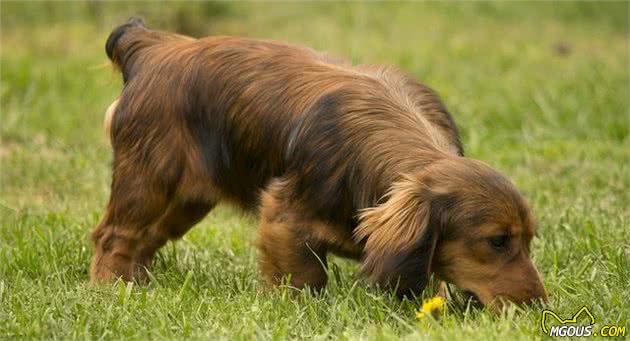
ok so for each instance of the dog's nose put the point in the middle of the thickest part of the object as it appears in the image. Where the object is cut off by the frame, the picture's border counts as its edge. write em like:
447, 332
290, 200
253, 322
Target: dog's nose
532, 293
535, 290
533, 296
539, 293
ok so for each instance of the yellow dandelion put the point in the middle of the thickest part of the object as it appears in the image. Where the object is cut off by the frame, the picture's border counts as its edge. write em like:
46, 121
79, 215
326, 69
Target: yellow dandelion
432, 306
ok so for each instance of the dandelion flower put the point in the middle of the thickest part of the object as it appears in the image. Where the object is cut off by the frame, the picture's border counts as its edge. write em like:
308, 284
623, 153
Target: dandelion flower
432, 306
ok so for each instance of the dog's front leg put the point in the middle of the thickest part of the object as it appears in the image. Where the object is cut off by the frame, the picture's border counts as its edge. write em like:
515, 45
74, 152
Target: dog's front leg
286, 243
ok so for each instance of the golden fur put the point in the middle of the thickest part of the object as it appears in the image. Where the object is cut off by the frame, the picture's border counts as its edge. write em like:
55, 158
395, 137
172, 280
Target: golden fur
363, 161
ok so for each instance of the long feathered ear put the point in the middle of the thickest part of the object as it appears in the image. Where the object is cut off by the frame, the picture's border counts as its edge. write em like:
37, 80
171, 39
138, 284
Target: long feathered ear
400, 236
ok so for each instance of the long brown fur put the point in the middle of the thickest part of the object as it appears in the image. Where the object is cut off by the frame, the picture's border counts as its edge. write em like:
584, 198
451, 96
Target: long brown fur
364, 162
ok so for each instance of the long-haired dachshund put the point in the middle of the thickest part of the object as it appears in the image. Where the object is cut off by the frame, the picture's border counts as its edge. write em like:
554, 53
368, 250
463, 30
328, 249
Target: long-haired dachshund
363, 162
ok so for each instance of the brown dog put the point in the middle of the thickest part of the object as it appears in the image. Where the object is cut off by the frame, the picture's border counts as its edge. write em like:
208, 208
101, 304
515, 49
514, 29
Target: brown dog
363, 162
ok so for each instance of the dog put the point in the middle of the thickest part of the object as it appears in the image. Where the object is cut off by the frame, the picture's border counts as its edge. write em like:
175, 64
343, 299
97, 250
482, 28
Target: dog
358, 161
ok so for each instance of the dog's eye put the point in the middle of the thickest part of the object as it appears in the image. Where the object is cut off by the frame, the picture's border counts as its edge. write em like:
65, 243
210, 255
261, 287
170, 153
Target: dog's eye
500, 243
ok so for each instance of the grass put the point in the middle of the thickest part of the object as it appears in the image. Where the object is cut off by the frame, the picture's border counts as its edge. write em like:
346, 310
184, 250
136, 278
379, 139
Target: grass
539, 90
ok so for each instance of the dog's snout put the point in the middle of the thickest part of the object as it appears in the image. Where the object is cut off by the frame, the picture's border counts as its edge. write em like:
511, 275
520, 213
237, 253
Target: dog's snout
538, 293
537, 289
519, 284
533, 290
534, 295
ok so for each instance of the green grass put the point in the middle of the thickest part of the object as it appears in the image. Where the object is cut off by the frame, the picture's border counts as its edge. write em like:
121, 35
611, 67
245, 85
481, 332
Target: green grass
555, 124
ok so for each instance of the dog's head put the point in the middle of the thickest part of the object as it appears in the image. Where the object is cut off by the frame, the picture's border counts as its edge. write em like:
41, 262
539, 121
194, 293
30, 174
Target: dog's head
460, 220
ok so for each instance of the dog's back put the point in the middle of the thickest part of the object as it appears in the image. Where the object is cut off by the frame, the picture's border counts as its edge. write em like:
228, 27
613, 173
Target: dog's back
253, 110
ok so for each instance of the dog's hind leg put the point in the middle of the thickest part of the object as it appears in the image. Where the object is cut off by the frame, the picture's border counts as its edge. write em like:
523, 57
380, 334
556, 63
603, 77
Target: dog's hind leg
137, 201
146, 209
180, 216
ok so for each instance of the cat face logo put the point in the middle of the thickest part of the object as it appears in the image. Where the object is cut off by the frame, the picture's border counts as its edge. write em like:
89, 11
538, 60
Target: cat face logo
571, 327
567, 327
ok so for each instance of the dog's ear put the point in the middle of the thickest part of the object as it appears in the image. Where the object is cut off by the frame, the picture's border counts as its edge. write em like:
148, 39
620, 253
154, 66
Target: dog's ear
400, 237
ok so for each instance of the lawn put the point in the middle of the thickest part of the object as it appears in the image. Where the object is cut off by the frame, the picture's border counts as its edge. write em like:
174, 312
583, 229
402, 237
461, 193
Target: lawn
539, 90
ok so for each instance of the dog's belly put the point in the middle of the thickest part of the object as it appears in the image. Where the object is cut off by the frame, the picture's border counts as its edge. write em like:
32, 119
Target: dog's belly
239, 173
243, 158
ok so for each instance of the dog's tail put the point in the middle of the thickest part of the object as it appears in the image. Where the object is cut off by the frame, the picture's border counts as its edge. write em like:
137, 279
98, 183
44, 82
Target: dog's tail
121, 46
127, 48
124, 41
